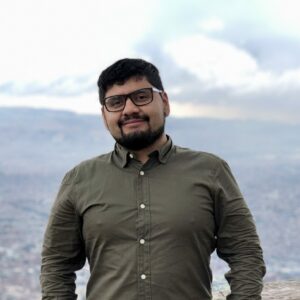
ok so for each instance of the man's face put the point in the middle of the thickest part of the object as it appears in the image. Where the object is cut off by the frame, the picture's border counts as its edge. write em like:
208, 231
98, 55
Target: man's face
136, 127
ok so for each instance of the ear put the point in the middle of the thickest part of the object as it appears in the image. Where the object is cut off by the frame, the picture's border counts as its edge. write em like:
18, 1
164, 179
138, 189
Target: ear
166, 103
103, 117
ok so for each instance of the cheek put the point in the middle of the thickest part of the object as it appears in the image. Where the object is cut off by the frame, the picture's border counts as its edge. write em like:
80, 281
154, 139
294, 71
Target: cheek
112, 124
158, 118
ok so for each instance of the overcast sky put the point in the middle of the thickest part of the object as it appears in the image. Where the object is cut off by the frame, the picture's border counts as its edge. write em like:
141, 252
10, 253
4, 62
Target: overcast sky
233, 59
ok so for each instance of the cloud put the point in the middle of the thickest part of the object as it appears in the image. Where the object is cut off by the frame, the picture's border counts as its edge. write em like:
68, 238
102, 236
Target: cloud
220, 65
230, 83
213, 61
274, 53
211, 25
267, 30
84, 104
63, 87
216, 60
46, 40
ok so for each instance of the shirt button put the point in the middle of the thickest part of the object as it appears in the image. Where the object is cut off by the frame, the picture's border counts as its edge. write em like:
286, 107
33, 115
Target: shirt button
142, 206
143, 276
142, 241
142, 173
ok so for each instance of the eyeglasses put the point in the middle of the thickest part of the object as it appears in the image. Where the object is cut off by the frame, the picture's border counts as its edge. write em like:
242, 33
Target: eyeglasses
139, 98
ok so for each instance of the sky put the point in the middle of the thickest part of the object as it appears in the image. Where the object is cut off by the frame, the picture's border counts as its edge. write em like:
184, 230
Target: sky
233, 59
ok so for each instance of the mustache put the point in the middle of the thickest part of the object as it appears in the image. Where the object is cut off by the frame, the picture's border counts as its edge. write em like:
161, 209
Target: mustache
133, 116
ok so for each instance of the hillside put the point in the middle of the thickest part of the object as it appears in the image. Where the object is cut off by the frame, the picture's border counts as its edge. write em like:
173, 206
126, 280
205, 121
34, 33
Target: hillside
39, 146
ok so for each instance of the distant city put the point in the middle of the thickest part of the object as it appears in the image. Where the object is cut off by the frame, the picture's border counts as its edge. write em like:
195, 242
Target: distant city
39, 146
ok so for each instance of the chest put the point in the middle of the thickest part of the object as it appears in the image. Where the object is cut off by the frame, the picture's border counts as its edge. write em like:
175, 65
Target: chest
157, 204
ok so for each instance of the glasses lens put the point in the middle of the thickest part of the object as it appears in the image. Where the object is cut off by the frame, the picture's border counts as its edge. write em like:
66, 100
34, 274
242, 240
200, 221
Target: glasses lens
114, 103
141, 97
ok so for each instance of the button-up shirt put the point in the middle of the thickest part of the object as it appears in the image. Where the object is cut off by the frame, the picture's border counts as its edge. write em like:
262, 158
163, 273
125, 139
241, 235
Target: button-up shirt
148, 230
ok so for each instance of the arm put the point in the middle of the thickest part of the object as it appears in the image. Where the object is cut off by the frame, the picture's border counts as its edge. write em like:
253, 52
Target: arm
63, 249
237, 240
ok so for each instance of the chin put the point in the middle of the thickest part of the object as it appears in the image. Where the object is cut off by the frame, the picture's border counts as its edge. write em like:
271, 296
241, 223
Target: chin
140, 139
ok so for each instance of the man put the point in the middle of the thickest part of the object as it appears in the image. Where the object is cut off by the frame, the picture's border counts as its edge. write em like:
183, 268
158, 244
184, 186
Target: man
148, 215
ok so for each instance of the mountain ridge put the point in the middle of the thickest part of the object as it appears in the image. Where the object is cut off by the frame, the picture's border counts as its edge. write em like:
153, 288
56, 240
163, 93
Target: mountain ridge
39, 146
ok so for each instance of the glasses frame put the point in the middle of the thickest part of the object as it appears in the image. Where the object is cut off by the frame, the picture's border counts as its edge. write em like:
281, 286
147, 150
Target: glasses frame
129, 95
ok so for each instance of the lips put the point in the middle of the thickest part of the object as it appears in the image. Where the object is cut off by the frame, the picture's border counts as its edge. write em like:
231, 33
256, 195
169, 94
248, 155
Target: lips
132, 120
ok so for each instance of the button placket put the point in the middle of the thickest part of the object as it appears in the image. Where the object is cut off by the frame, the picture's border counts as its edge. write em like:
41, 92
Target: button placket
142, 237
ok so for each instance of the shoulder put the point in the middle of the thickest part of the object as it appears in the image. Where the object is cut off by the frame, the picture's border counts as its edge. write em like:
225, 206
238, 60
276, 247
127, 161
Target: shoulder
198, 156
87, 168
198, 163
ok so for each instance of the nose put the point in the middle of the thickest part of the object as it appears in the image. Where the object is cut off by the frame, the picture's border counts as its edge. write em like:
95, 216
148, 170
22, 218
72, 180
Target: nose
130, 107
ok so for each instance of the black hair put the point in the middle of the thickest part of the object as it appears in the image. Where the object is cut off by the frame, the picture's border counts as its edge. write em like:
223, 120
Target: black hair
124, 69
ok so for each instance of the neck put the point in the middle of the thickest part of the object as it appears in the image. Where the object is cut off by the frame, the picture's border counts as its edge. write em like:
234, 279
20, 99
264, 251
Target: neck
143, 154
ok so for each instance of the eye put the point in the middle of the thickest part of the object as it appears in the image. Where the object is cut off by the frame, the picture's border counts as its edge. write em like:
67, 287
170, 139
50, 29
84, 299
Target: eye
142, 96
114, 101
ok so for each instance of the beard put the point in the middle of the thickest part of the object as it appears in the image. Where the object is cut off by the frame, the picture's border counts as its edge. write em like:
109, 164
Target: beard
142, 139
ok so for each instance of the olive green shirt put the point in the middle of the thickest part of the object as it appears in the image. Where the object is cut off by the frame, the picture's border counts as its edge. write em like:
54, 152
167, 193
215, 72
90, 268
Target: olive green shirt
148, 231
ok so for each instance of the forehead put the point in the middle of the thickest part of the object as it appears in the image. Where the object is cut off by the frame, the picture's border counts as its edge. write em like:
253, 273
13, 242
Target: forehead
130, 85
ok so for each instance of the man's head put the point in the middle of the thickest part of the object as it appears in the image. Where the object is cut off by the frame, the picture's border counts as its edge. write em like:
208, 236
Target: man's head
126, 68
134, 104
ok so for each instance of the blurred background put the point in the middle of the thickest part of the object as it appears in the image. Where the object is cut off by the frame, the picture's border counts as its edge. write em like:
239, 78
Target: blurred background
231, 70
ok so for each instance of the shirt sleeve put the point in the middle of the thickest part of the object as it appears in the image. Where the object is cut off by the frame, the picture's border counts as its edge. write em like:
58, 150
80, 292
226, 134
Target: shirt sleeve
237, 240
63, 249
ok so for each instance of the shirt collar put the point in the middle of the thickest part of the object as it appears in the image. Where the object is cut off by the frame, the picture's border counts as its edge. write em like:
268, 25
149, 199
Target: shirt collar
122, 155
